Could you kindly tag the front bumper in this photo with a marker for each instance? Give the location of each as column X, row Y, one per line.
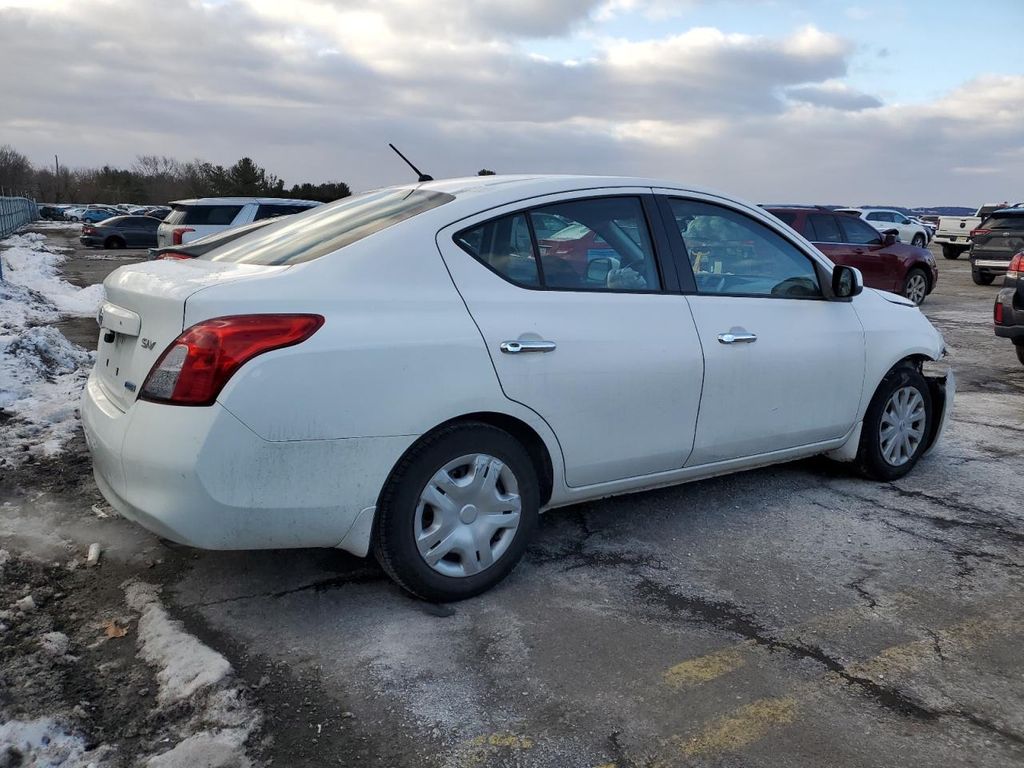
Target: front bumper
column 943, row 391
column 200, row 477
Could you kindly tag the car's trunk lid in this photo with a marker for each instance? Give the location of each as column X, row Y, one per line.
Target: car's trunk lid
column 144, row 312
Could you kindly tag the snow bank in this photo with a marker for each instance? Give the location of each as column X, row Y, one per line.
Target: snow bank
column 41, row 372
column 29, row 262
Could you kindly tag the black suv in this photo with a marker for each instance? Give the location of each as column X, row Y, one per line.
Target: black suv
column 1009, row 308
column 995, row 242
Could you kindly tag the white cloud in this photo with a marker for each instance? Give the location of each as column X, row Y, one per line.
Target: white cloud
column 314, row 89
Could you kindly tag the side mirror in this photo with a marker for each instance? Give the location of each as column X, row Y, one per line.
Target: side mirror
column 890, row 237
column 847, row 282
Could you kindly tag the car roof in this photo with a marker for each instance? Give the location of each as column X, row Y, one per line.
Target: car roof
column 1014, row 211
column 244, row 201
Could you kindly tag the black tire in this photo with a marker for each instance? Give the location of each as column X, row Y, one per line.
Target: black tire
column 1020, row 352
column 919, row 240
column 394, row 543
column 911, row 274
column 981, row 278
column 950, row 252
column 113, row 243
column 870, row 460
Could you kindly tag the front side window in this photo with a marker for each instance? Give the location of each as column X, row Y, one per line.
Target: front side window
column 858, row 232
column 600, row 244
column 731, row 253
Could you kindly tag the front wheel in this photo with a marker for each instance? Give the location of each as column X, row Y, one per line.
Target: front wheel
column 981, row 278
column 915, row 286
column 896, row 425
column 457, row 513
column 919, row 240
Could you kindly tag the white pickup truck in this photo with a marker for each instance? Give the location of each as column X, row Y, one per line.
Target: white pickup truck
column 954, row 232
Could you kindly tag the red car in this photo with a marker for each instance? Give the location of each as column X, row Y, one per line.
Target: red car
column 885, row 263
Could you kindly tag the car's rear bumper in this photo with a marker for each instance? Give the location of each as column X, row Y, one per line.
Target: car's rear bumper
column 990, row 266
column 200, row 477
column 90, row 240
column 1012, row 326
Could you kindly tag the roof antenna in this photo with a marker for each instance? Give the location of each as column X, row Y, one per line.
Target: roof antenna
column 422, row 176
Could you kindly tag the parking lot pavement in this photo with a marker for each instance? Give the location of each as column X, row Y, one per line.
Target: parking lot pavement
column 788, row 616
column 791, row 616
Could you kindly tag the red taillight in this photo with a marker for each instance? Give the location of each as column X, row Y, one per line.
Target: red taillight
column 179, row 232
column 173, row 255
column 997, row 313
column 87, row 230
column 197, row 365
column 1016, row 266
column 979, row 231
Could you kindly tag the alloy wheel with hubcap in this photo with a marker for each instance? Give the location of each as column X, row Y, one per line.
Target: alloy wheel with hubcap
column 897, row 425
column 458, row 512
column 902, row 426
column 467, row 515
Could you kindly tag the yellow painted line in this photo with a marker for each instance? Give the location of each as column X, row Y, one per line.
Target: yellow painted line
column 699, row 670
column 741, row 727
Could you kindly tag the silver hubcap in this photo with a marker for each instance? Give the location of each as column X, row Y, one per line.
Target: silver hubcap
column 467, row 515
column 902, row 427
column 917, row 286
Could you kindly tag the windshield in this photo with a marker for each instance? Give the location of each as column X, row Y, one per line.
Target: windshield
column 307, row 236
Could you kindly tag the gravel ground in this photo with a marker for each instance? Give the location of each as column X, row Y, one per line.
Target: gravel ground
column 790, row 616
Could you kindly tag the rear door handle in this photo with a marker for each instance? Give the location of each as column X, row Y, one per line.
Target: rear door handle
column 526, row 345
column 737, row 337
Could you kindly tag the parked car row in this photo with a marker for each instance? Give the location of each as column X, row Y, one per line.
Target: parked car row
column 504, row 345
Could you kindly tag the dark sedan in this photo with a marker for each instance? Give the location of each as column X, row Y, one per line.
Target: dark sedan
column 1009, row 309
column 885, row 263
column 995, row 242
column 121, row 232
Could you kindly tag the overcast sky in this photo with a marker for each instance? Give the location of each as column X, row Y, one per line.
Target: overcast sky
column 919, row 102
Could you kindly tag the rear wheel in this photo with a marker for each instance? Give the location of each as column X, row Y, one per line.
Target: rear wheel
column 950, row 252
column 896, row 425
column 457, row 513
column 981, row 278
column 113, row 243
column 919, row 240
column 915, row 285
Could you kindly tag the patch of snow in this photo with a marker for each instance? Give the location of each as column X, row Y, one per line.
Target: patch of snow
column 55, row 643
column 219, row 749
column 185, row 665
column 188, row 670
column 41, row 372
column 45, row 743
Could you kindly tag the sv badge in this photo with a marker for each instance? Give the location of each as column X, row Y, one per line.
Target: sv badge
column 147, row 344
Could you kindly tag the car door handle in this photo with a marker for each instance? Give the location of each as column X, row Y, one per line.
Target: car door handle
column 526, row 345
column 737, row 337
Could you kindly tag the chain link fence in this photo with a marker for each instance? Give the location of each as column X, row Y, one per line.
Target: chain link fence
column 15, row 212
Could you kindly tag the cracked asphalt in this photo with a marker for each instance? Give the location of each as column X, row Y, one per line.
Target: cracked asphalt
column 791, row 616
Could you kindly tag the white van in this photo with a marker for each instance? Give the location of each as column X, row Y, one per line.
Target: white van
column 191, row 219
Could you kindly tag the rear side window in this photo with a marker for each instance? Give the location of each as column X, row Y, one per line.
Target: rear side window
column 825, row 228
column 202, row 214
column 327, row 228
column 1014, row 223
column 270, row 211
column 600, row 244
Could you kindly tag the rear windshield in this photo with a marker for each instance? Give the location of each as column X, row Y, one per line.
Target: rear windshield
column 310, row 235
column 1016, row 223
column 202, row 214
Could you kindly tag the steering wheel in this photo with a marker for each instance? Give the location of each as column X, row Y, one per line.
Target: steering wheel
column 797, row 287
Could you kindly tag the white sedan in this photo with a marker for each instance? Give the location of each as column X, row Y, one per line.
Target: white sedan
column 419, row 371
